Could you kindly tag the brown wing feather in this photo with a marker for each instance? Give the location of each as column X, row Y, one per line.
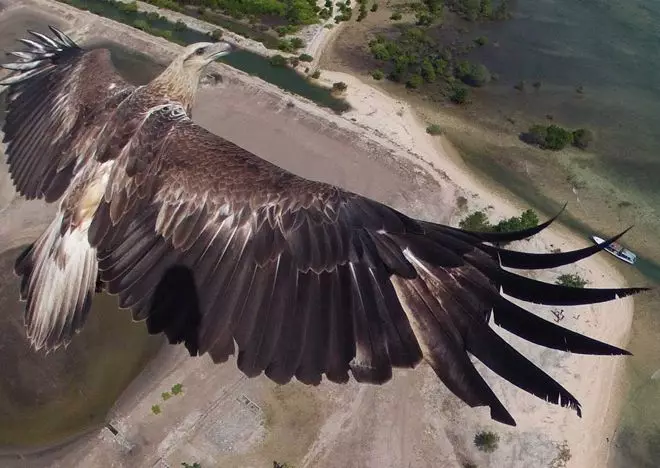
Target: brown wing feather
column 308, row 279
column 52, row 111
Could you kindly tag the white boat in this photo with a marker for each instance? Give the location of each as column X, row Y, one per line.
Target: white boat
column 617, row 250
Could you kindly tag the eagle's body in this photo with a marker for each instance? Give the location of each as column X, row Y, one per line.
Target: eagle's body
column 218, row 248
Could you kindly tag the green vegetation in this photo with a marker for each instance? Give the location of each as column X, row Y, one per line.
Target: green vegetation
column 374, row 7
column 416, row 59
column 339, row 86
column 459, row 95
column 479, row 10
column 434, row 129
column 155, row 409
column 166, row 396
column 571, row 280
column 316, row 75
column 188, row 465
column 306, row 58
column 177, row 389
column 479, row 222
column 377, row 74
column 487, row 441
column 556, row 138
column 396, row 16
column 582, row 138
column 278, row 61
column 281, row 465
column 481, row 41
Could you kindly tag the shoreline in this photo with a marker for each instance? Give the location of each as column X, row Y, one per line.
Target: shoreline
column 375, row 116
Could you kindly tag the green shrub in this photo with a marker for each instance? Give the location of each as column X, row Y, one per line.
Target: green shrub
column 374, row 7
column 477, row 221
column 297, row 43
column 396, row 16
column 571, row 280
column 306, row 58
column 316, row 75
column 155, row 409
column 557, row 138
column 278, row 61
column 339, row 86
column 177, row 389
column 377, row 74
column 481, row 40
column 166, row 395
column 414, row 82
column 582, row 138
column 487, row 441
column 459, row 95
column 528, row 219
column 216, row 34
column 434, row 129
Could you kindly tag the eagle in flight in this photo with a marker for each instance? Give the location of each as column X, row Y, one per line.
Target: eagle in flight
column 225, row 252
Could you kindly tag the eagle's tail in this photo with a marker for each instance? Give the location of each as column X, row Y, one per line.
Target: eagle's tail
column 59, row 273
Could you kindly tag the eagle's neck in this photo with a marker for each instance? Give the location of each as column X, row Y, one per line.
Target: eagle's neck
column 176, row 83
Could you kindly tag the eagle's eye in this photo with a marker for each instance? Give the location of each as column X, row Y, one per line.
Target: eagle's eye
column 200, row 51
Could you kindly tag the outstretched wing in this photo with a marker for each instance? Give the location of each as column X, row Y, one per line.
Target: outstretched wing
column 55, row 95
column 216, row 247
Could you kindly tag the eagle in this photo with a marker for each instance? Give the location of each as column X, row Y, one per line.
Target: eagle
column 227, row 253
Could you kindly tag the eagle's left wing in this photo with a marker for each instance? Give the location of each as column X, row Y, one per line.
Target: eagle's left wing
column 55, row 94
column 216, row 247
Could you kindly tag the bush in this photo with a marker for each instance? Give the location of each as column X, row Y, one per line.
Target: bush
column 177, row 388
column 582, row 138
column 528, row 219
column 553, row 137
column 477, row 221
column 486, row 441
column 396, row 16
column 188, row 465
column 128, row 7
column 374, row 7
column 155, row 409
column 434, row 129
column 339, row 86
column 306, row 58
column 459, row 95
column 316, row 75
column 278, row 61
column 377, row 74
column 473, row 74
column 166, row 395
column 557, row 138
column 414, row 82
column 294, row 61
column 216, row 34
column 297, row 43
column 571, row 280
column 481, row 40
column 141, row 24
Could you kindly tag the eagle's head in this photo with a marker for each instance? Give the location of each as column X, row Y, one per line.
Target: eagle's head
column 197, row 56
column 180, row 79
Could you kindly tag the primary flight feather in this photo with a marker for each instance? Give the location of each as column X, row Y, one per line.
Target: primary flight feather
column 225, row 252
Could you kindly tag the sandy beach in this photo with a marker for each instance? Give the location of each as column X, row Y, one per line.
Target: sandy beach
column 379, row 148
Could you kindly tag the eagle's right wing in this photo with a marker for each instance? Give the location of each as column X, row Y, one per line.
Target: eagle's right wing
column 54, row 99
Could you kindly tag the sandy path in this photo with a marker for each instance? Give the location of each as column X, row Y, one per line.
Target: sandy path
column 379, row 149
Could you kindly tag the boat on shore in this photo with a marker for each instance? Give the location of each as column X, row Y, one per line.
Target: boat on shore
column 617, row 250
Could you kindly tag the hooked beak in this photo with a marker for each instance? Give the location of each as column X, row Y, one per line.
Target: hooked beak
column 219, row 49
